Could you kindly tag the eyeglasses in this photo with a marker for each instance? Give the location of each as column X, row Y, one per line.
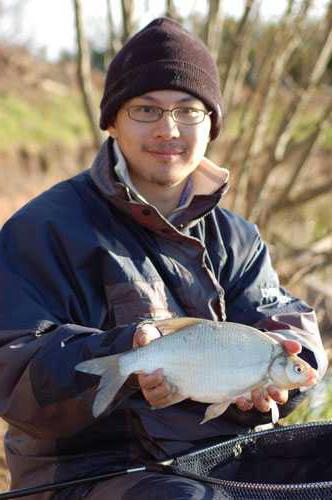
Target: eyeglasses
column 183, row 115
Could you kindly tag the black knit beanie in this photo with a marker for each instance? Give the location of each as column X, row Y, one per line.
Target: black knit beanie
column 162, row 56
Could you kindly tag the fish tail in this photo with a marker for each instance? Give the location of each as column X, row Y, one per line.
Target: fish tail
column 110, row 383
column 112, row 378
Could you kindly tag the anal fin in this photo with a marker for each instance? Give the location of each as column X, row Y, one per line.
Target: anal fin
column 215, row 410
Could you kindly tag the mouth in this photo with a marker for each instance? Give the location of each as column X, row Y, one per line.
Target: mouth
column 169, row 151
column 166, row 155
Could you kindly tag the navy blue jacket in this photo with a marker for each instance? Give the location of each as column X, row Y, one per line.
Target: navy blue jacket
column 80, row 266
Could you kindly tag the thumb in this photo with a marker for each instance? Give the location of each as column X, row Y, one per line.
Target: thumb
column 289, row 345
column 292, row 346
column 144, row 335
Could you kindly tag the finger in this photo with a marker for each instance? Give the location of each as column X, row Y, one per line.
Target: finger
column 168, row 399
column 244, row 404
column 144, row 335
column 151, row 380
column 279, row 395
column 160, row 394
column 292, row 346
column 261, row 400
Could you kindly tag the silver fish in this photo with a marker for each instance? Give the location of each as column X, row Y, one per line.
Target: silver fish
column 211, row 362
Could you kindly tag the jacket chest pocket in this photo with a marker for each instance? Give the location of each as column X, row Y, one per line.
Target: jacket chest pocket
column 138, row 300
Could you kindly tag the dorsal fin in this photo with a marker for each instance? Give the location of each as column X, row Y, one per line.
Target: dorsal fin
column 169, row 326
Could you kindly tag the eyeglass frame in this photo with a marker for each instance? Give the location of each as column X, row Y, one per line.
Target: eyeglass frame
column 170, row 111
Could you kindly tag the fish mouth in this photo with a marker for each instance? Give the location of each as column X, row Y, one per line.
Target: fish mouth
column 312, row 378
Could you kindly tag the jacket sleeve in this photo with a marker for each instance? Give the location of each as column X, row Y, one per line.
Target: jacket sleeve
column 50, row 320
column 254, row 297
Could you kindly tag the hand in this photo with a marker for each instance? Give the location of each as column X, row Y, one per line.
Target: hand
column 154, row 386
column 260, row 398
column 145, row 334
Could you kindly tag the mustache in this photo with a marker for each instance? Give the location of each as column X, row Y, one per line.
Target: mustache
column 165, row 147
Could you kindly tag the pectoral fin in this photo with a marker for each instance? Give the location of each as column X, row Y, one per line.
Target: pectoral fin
column 215, row 410
column 274, row 411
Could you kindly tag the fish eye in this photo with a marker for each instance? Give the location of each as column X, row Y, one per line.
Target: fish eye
column 298, row 369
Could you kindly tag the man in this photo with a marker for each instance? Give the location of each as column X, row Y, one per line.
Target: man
column 138, row 236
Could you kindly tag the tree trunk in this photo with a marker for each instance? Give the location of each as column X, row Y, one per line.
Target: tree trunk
column 238, row 40
column 127, row 7
column 213, row 29
column 171, row 10
column 84, row 75
column 112, row 49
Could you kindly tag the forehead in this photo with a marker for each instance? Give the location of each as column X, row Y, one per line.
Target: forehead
column 166, row 98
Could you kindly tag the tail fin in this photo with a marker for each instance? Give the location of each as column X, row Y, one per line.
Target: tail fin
column 110, row 383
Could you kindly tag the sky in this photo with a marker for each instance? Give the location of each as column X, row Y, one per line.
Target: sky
column 49, row 24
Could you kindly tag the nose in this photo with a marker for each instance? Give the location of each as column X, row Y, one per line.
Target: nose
column 166, row 127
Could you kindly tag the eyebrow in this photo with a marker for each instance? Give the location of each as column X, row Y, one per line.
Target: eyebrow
column 183, row 99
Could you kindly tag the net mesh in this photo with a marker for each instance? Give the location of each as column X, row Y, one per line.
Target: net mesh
column 287, row 463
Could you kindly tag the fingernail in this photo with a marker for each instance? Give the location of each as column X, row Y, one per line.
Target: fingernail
column 278, row 398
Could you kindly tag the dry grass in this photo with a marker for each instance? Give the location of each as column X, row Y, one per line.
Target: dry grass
column 3, row 469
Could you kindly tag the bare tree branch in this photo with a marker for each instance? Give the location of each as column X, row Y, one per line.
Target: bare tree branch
column 263, row 194
column 305, row 196
column 313, row 83
column 310, row 143
column 238, row 39
column 171, row 10
column 278, row 72
column 239, row 70
column 317, row 263
column 240, row 202
column 213, row 28
column 127, row 7
column 316, row 246
column 264, row 207
column 111, row 37
column 274, row 64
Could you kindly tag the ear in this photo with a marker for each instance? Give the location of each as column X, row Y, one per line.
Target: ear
column 112, row 130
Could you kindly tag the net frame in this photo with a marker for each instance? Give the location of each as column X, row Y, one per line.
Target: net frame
column 199, row 466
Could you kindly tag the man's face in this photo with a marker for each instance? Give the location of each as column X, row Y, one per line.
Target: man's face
column 164, row 152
